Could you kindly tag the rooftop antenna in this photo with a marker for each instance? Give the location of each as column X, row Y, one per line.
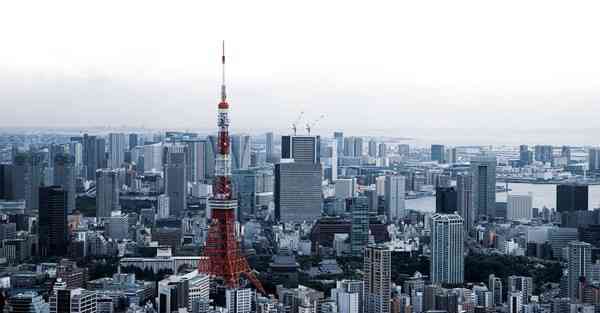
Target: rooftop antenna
column 294, row 128
column 223, row 93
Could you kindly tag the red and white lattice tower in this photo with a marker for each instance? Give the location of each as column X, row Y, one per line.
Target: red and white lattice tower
column 222, row 250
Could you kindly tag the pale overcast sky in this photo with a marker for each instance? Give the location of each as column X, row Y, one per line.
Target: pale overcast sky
column 369, row 66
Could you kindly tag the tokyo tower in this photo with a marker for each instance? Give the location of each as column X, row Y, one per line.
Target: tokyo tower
column 222, row 250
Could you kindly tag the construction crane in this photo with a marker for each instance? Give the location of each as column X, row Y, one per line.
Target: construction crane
column 294, row 125
column 309, row 126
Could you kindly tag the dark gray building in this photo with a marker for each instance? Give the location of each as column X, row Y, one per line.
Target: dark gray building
column 64, row 176
column 297, row 191
column 175, row 178
column 571, row 197
column 107, row 192
column 359, row 232
column 303, row 149
column 134, row 141
column 53, row 221
column 483, row 174
column 525, row 156
column 446, row 200
column 94, row 155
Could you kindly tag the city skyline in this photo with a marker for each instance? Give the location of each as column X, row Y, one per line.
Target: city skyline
column 407, row 75
column 396, row 158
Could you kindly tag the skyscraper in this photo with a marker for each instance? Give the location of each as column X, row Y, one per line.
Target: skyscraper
column 269, row 147
column 6, row 185
column 377, row 269
column 175, row 178
column 571, row 197
column 495, row 286
column 521, row 284
column 580, row 265
column 240, row 151
column 334, row 161
column 359, row 232
column 94, row 156
column 297, row 192
column 116, row 149
column 303, row 149
column 196, row 160
column 353, row 147
column 64, row 176
column 464, row 199
column 447, row 256
column 107, row 192
column 53, row 221
column 525, row 156
column 594, row 159
column 76, row 150
column 438, row 153
column 339, row 139
column 543, row 153
column 247, row 185
column 404, row 150
column 372, row 148
column 134, row 141
column 446, row 199
column 483, row 173
column 382, row 150
column 394, row 196
column 21, row 179
column 238, row 300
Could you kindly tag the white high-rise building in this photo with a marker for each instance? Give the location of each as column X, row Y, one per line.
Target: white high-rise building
column 519, row 207
column 162, row 209
column 116, row 150
column 240, row 151
column 153, row 157
column 394, row 196
column 580, row 267
column 447, row 249
column 483, row 175
column 239, row 300
column 269, row 147
column 377, row 269
column 522, row 284
column 76, row 150
column 199, row 288
column 380, row 185
column 334, row 161
column 348, row 295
